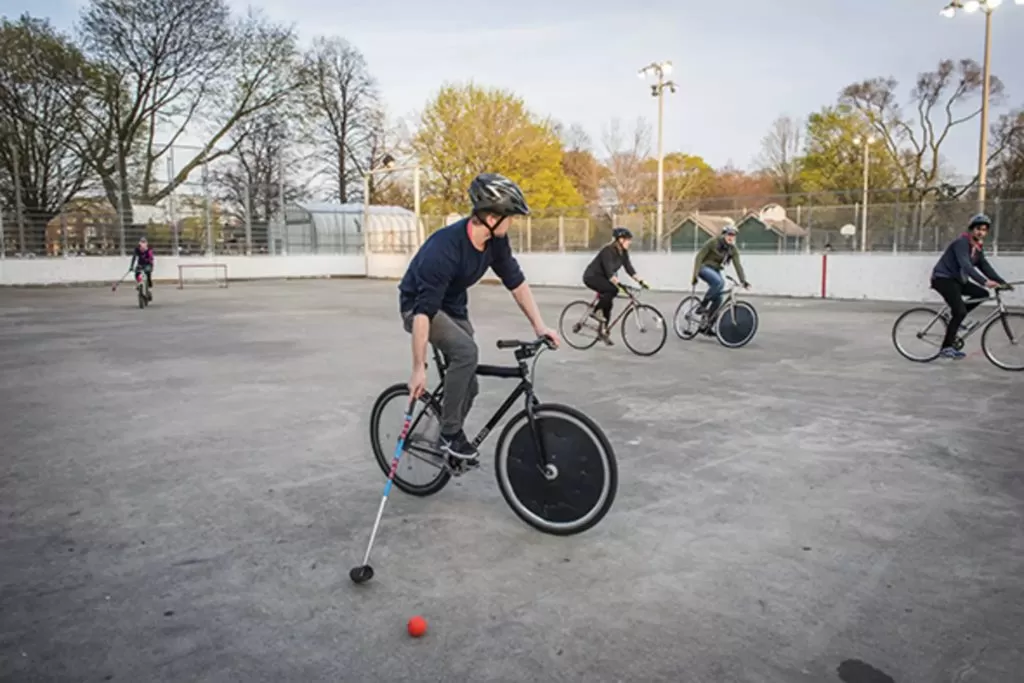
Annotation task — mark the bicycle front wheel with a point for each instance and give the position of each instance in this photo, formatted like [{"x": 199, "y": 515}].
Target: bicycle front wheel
[
  {"x": 422, "y": 470},
  {"x": 736, "y": 325},
  {"x": 577, "y": 327},
  {"x": 643, "y": 330},
  {"x": 575, "y": 488},
  {"x": 1003, "y": 341},
  {"x": 917, "y": 334},
  {"x": 686, "y": 321}
]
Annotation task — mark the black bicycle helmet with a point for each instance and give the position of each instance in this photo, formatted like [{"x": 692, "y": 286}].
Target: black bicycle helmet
[
  {"x": 621, "y": 233},
  {"x": 730, "y": 229},
  {"x": 494, "y": 193},
  {"x": 979, "y": 219}
]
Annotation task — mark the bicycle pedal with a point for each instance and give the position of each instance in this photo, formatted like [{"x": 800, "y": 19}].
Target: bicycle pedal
[{"x": 461, "y": 467}]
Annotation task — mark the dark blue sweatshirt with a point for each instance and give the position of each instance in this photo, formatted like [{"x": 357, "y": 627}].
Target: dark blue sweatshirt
[
  {"x": 447, "y": 265},
  {"x": 963, "y": 259}
]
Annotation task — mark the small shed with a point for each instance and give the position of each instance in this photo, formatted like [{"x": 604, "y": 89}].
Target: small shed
[
  {"x": 326, "y": 228},
  {"x": 693, "y": 231},
  {"x": 769, "y": 229}
]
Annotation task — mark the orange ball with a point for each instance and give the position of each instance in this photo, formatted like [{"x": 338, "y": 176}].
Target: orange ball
[{"x": 417, "y": 626}]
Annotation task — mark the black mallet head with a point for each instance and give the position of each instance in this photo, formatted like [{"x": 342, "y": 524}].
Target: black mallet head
[{"x": 361, "y": 574}]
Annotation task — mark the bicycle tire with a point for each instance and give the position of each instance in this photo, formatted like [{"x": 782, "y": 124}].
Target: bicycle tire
[
  {"x": 932, "y": 314},
  {"x": 383, "y": 453},
  {"x": 583, "y": 307},
  {"x": 984, "y": 340},
  {"x": 139, "y": 290},
  {"x": 742, "y": 305},
  {"x": 518, "y": 476},
  {"x": 678, "y": 318},
  {"x": 659, "y": 320}
]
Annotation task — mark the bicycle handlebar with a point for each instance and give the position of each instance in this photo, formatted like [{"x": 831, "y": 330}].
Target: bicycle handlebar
[{"x": 531, "y": 345}]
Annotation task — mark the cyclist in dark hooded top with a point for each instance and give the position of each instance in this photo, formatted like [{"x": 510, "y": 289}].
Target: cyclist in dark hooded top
[{"x": 964, "y": 260}]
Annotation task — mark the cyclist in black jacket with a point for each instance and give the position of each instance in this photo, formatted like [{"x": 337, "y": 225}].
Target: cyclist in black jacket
[
  {"x": 963, "y": 260},
  {"x": 600, "y": 276}
]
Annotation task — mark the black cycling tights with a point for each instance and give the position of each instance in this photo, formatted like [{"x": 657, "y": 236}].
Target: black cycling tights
[
  {"x": 954, "y": 291},
  {"x": 607, "y": 290}
]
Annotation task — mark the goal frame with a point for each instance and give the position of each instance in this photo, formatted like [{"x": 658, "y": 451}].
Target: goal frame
[{"x": 220, "y": 283}]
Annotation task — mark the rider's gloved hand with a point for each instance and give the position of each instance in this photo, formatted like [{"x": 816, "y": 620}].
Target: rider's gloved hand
[
  {"x": 746, "y": 285},
  {"x": 643, "y": 283},
  {"x": 693, "y": 282}
]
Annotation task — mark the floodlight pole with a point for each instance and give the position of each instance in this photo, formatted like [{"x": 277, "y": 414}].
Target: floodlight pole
[
  {"x": 660, "y": 70},
  {"x": 986, "y": 6}
]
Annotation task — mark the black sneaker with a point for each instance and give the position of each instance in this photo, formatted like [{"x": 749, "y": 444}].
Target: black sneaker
[{"x": 458, "y": 446}]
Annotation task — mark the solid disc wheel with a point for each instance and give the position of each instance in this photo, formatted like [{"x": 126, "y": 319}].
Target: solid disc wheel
[
  {"x": 576, "y": 488},
  {"x": 686, "y": 321},
  {"x": 736, "y": 325},
  {"x": 577, "y": 327},
  {"x": 917, "y": 334},
  {"x": 643, "y": 330},
  {"x": 1003, "y": 341},
  {"x": 421, "y": 469}
]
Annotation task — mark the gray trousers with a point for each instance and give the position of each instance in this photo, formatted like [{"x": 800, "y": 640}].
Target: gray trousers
[{"x": 454, "y": 339}]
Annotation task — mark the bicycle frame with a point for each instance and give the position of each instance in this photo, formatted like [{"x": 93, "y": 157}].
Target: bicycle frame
[
  {"x": 525, "y": 387},
  {"x": 728, "y": 297},
  {"x": 631, "y": 293},
  {"x": 997, "y": 312}
]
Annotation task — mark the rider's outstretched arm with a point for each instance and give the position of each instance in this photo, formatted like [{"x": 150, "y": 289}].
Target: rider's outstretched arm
[
  {"x": 986, "y": 268},
  {"x": 739, "y": 267},
  {"x": 628, "y": 266}
]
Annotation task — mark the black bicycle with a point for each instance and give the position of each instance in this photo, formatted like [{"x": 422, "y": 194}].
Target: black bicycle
[
  {"x": 581, "y": 329},
  {"x": 918, "y": 333},
  {"x": 554, "y": 465},
  {"x": 734, "y": 323}
]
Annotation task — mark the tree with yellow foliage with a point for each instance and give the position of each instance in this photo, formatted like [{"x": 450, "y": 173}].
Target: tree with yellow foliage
[{"x": 467, "y": 130}]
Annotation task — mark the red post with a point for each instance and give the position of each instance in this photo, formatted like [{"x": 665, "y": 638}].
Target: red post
[{"x": 824, "y": 275}]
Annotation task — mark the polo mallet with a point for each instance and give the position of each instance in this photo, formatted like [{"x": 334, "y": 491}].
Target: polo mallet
[
  {"x": 364, "y": 573},
  {"x": 114, "y": 288}
]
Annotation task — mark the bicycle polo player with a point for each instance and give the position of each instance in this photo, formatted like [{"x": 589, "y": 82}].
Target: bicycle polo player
[
  {"x": 962, "y": 260},
  {"x": 142, "y": 260},
  {"x": 712, "y": 258},
  {"x": 600, "y": 276},
  {"x": 433, "y": 299}
]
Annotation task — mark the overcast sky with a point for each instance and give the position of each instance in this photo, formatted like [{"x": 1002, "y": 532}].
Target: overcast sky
[{"x": 738, "y": 63}]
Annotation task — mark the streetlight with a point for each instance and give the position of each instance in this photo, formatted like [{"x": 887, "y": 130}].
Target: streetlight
[
  {"x": 986, "y": 6},
  {"x": 866, "y": 142},
  {"x": 387, "y": 165},
  {"x": 660, "y": 71}
]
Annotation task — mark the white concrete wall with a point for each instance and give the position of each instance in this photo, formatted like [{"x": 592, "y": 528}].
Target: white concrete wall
[
  {"x": 93, "y": 269},
  {"x": 844, "y": 276}
]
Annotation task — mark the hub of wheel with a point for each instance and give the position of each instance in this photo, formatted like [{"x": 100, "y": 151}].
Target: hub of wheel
[{"x": 550, "y": 472}]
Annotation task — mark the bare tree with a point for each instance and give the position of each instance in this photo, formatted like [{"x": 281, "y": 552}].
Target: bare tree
[
  {"x": 781, "y": 149},
  {"x": 626, "y": 156},
  {"x": 941, "y": 100},
  {"x": 40, "y": 169},
  {"x": 342, "y": 97},
  {"x": 164, "y": 67}
]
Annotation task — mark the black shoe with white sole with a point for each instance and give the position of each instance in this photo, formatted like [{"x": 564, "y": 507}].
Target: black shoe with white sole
[{"x": 458, "y": 446}]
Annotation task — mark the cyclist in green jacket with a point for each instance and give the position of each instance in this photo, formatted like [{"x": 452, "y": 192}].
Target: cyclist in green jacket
[{"x": 713, "y": 257}]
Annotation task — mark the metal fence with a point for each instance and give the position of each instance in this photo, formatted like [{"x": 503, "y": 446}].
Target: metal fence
[{"x": 198, "y": 220}]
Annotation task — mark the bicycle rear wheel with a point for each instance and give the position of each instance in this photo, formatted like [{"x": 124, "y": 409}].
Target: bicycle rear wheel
[
  {"x": 917, "y": 334},
  {"x": 578, "y": 486},
  {"x": 686, "y": 321},
  {"x": 140, "y": 289},
  {"x": 422, "y": 470},
  {"x": 647, "y": 333},
  {"x": 1003, "y": 341},
  {"x": 736, "y": 325},
  {"x": 577, "y": 327}
]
